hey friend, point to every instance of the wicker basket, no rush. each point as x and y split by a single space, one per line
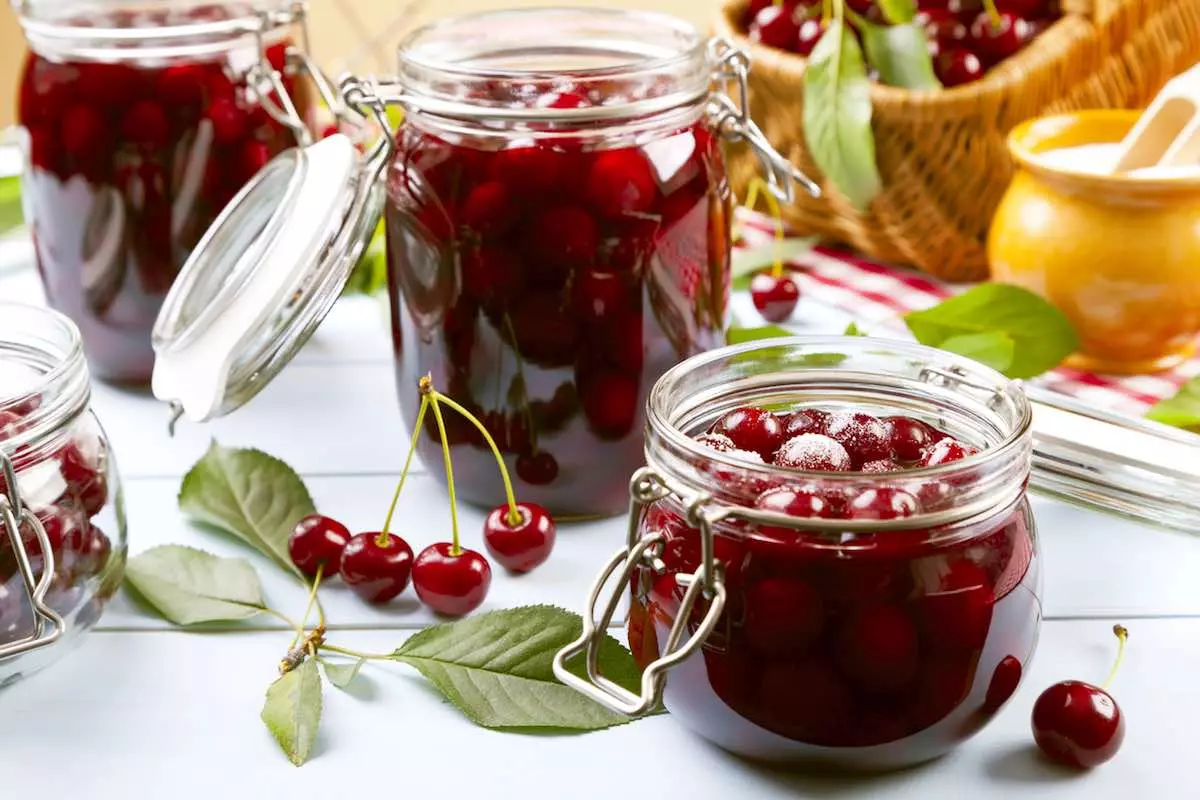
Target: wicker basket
942 155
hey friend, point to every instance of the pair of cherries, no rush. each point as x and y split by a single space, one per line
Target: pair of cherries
451 580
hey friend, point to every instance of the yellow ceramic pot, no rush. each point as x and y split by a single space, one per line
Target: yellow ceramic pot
1119 255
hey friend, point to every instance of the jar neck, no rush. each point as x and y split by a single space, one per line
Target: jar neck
960 397
44 376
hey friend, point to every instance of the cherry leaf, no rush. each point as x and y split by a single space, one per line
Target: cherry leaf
994 349
342 675
497 669
292 712
898 12
853 330
189 586
837 115
1181 410
901 54
254 496
741 335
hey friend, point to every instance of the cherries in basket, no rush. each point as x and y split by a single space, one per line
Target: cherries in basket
449 578
965 38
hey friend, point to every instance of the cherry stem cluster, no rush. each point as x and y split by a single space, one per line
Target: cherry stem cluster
758 187
455 549
382 539
312 600
1122 637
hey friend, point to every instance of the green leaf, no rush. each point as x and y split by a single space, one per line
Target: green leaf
898 12
747 261
342 675
497 669
189 586
901 54
252 495
292 712
1182 410
12 215
837 115
853 330
994 349
1042 336
740 335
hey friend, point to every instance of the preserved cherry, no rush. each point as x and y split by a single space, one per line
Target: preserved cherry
129 164
547 278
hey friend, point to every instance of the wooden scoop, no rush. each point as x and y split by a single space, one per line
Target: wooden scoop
1168 133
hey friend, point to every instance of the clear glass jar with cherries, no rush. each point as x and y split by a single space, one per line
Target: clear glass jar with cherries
62 525
831 551
142 121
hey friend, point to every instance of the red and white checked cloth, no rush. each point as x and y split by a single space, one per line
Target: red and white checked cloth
876 295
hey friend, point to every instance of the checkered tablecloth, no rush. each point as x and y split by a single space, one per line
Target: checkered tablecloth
877 295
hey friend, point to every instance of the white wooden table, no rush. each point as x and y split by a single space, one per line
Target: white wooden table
144 711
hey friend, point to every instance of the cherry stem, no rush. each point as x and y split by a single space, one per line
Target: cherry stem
1122 637
382 538
759 186
514 516
993 13
346 651
312 599
455 550
527 412
291 623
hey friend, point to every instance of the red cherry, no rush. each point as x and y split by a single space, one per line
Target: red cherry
85 133
492 274
800 501
944 451
532 171
864 437
1005 679
90 552
807 700
957 65
1026 8
878 649
45 149
1078 724
909 437
315 541
610 403
490 209
376 572
254 155
806 420
277 55
451 583
782 616
884 502
559 239
942 685
519 547
958 615
598 293
145 124
86 484
775 26
753 8
882 465
752 429
546 332
619 183
807 36
942 27
775 298
813 452
998 41
538 468
229 122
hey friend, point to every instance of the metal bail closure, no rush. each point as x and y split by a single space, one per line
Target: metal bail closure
732 66
47 627
646 487
264 276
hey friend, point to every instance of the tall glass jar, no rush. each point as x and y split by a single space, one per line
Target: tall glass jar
558 223
802 620
62 524
142 120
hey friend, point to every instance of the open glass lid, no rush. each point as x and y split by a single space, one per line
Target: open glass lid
1133 467
263 277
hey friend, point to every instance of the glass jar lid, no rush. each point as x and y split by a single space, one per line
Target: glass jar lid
263 277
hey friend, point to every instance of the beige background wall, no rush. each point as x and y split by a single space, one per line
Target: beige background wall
353 34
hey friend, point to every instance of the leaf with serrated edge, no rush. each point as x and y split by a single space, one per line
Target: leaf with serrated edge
1181 410
254 496
1042 335
292 712
994 349
747 261
189 586
342 675
901 54
497 669
837 115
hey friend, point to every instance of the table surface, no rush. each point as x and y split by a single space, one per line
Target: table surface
142 710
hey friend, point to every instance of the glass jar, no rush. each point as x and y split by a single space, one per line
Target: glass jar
62 522
857 639
141 122
558 235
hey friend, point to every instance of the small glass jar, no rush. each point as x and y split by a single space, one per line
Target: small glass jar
558 235
62 523
142 121
865 641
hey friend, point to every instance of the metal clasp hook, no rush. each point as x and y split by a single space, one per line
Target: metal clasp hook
732 120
